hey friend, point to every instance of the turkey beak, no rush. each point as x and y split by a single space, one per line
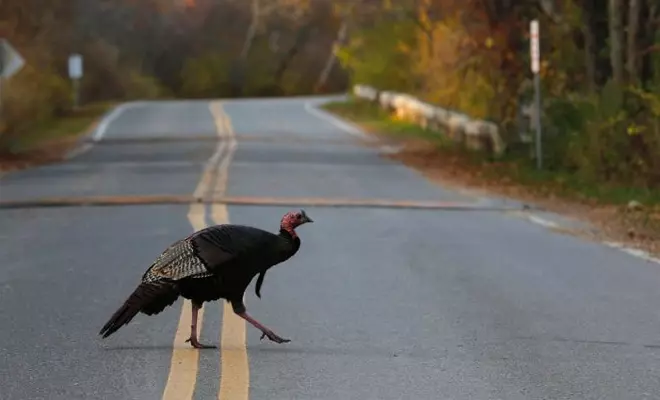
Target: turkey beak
305 218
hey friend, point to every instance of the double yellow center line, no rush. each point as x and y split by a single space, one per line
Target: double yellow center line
234 373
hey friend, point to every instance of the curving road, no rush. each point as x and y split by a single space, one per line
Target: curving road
380 303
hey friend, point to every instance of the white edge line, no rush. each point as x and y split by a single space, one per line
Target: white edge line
109 118
618 246
633 252
102 127
542 221
339 123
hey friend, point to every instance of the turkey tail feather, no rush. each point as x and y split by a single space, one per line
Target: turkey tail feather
148 298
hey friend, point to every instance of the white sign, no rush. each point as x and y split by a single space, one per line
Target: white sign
75 66
10 60
535 51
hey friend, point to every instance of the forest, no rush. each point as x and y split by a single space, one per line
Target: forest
600 74
153 49
600 66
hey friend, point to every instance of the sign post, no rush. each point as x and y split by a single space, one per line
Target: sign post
535 55
10 63
75 73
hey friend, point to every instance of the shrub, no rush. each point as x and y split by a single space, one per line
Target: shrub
206 76
29 99
136 85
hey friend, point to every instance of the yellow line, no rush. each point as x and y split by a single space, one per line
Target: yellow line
222 178
205 185
235 370
185 359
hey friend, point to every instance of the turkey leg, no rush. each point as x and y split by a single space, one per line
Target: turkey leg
241 311
193 330
265 331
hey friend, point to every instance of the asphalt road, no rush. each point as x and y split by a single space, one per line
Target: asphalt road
379 303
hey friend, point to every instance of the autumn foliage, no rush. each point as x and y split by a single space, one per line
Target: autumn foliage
600 74
600 63
145 49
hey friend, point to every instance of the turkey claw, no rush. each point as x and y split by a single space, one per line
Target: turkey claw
273 337
196 344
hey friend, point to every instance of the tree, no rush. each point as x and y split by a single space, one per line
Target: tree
615 12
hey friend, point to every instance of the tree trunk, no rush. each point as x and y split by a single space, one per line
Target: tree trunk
252 30
301 39
589 45
325 73
424 21
238 70
616 39
651 17
548 7
632 64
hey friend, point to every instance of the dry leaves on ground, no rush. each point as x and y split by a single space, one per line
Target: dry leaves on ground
54 151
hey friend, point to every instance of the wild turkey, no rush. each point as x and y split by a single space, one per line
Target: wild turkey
216 262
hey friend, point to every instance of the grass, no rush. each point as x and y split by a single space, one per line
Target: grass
68 126
375 119
514 168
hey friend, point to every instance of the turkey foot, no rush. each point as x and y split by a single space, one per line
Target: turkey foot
196 344
265 332
193 330
272 336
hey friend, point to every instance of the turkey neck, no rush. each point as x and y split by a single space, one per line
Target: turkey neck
290 235
291 239
291 244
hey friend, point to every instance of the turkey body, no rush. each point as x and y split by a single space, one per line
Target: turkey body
227 258
217 262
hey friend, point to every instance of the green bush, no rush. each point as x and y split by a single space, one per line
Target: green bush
30 98
206 76
381 55
612 137
136 85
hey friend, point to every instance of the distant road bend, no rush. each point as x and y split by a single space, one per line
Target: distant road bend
402 289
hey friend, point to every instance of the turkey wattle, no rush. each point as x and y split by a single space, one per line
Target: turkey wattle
216 262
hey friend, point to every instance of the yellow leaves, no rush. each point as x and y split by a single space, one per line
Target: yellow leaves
422 15
404 47
356 42
461 71
651 100
546 71
634 129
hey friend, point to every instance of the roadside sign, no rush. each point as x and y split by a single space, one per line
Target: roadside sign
75 66
535 51
10 60
535 55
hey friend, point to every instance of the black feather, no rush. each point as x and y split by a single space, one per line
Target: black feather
149 298
216 262
260 281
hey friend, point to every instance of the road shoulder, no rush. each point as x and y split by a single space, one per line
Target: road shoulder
633 230
63 138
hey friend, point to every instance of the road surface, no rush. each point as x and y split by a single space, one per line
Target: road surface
380 303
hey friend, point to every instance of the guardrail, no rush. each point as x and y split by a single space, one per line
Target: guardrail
475 134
